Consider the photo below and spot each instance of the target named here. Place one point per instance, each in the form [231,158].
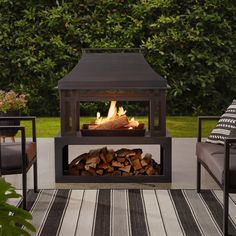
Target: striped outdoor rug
[129,212]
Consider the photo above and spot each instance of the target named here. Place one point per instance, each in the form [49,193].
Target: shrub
[12,101]
[190,43]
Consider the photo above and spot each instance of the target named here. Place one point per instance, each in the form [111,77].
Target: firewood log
[137,156]
[127,174]
[93,165]
[137,164]
[116,173]
[144,162]
[91,170]
[85,173]
[92,160]
[120,159]
[73,171]
[148,157]
[117,164]
[106,174]
[126,163]
[78,159]
[124,152]
[103,165]
[125,168]
[142,171]
[138,151]
[109,156]
[91,126]
[150,170]
[116,123]
[94,152]
[110,169]
[80,166]
[103,153]
[99,172]
[128,159]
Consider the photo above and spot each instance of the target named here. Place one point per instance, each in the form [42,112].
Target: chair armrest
[21,118]
[23,141]
[200,120]
[228,142]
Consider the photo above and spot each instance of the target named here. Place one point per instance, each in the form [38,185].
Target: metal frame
[226,187]
[61,158]
[151,89]
[71,135]
[25,166]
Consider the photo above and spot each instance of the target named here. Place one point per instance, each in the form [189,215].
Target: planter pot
[9,133]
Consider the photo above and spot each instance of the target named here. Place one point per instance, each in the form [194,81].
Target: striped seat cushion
[226,126]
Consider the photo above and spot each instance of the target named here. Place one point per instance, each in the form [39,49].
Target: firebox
[112,75]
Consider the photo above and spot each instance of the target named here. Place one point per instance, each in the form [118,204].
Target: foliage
[11,216]
[191,43]
[12,101]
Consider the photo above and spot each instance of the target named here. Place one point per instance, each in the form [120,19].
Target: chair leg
[225,211]
[198,176]
[35,177]
[24,184]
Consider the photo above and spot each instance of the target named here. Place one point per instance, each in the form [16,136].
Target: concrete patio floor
[183,168]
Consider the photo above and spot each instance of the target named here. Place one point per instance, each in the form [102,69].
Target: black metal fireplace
[112,76]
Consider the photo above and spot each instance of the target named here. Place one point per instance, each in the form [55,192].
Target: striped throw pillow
[226,126]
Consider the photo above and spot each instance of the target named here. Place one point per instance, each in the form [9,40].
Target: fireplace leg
[65,158]
[165,159]
[161,158]
[61,160]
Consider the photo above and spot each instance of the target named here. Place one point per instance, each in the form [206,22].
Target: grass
[178,126]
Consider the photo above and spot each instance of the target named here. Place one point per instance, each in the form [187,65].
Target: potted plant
[11,103]
[12,217]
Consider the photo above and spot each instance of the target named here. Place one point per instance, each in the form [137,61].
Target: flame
[113,114]
[99,119]
[112,110]
[121,111]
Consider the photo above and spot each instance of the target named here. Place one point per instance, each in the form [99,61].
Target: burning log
[123,162]
[114,120]
[115,123]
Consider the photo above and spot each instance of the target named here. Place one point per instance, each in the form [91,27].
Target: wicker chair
[220,162]
[19,157]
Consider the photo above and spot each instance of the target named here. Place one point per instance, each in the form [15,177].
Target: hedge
[190,43]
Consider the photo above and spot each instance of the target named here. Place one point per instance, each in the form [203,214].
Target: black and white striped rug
[129,212]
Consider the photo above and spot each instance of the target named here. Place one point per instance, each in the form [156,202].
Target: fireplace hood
[98,71]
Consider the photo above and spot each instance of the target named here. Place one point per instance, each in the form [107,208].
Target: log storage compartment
[113,75]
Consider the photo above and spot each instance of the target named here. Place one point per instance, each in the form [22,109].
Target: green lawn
[178,126]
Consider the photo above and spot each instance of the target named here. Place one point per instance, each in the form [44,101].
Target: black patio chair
[18,157]
[220,162]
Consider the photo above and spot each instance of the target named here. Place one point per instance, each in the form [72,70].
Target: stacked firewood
[123,162]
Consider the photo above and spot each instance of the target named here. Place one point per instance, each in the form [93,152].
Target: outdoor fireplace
[112,76]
